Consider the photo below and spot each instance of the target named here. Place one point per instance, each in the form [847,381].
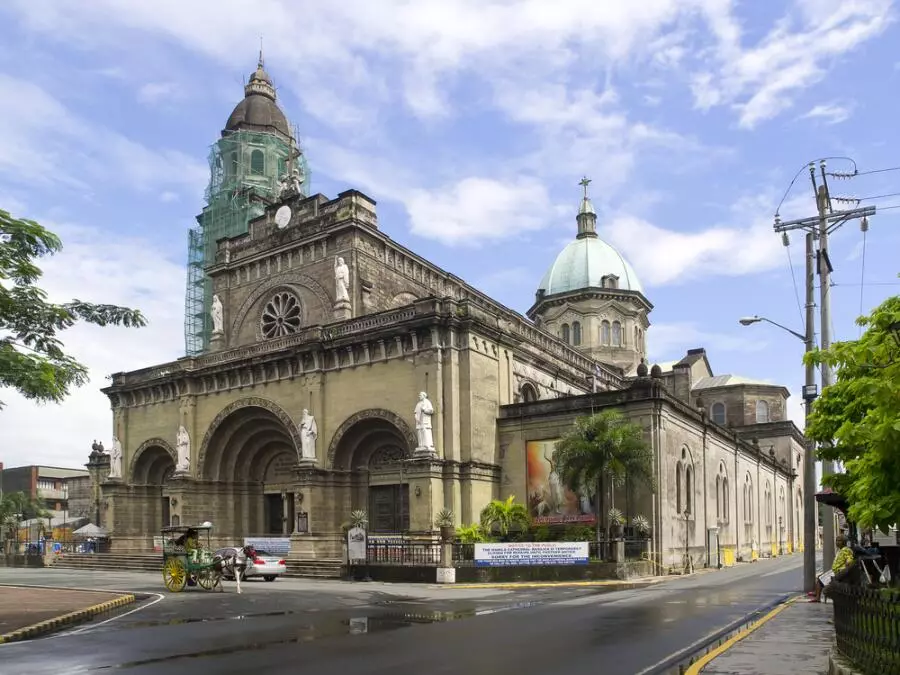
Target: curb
[58,622]
[697,667]
[838,664]
[513,585]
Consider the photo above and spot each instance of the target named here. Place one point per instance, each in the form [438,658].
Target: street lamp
[810,392]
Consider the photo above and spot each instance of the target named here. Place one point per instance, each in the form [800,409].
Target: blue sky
[471,123]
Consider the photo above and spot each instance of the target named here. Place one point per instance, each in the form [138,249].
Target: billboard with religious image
[549,501]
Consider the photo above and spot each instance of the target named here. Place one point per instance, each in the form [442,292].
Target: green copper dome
[584,263]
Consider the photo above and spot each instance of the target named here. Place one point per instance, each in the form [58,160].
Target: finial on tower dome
[262,61]
[584,182]
[587,217]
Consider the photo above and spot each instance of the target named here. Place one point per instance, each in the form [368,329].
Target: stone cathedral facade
[344,371]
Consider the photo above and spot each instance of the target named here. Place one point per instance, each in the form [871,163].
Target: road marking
[698,665]
[159,597]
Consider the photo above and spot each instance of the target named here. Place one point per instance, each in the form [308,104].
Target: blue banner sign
[532,553]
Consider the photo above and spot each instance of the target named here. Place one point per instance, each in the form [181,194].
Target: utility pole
[810,527]
[823,205]
[818,226]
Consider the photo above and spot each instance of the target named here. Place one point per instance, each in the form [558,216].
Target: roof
[729,380]
[583,263]
[259,110]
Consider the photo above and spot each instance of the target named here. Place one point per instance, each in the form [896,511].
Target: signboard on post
[532,553]
[356,544]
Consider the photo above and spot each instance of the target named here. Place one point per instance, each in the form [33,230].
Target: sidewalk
[795,641]
[28,612]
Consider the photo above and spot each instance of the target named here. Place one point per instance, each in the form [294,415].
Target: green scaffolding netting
[245,169]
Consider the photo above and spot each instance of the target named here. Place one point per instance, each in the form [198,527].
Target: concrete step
[151,562]
[320,569]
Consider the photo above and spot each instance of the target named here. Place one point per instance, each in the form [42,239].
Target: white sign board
[532,553]
[356,544]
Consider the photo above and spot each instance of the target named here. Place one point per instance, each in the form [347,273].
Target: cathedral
[331,369]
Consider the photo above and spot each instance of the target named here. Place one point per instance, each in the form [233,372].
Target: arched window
[726,500]
[529,394]
[718,413]
[768,498]
[576,333]
[762,412]
[604,333]
[678,472]
[257,162]
[688,489]
[616,334]
[722,495]
[564,333]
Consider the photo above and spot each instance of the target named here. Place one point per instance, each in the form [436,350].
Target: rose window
[281,316]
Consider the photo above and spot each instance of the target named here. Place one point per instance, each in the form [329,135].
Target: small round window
[281,316]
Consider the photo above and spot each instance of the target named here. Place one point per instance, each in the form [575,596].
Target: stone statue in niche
[183,448]
[309,432]
[423,412]
[341,281]
[115,459]
[217,314]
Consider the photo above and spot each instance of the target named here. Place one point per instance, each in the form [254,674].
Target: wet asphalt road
[355,629]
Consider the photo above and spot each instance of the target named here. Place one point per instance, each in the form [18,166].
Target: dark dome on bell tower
[259,110]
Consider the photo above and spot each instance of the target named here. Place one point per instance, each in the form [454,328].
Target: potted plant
[359,518]
[641,526]
[444,521]
[616,520]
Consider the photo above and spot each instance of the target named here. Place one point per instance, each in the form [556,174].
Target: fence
[867,627]
[414,553]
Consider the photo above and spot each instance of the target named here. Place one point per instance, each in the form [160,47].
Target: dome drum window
[281,316]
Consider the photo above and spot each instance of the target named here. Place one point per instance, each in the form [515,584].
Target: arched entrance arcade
[246,464]
[152,467]
[375,447]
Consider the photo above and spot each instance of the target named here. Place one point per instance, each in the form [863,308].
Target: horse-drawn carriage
[186,561]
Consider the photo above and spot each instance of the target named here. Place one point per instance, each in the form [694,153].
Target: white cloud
[478,209]
[796,410]
[42,142]
[830,113]
[94,268]
[760,81]
[154,92]
[668,341]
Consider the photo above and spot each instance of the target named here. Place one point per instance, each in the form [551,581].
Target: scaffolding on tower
[245,168]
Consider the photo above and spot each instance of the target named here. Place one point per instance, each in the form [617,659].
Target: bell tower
[251,165]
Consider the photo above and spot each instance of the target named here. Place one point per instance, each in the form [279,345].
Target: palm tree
[603,450]
[504,515]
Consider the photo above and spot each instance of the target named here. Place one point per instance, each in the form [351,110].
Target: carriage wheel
[174,575]
[209,578]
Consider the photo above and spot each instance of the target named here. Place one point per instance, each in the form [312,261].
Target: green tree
[32,359]
[857,419]
[602,451]
[503,516]
[14,508]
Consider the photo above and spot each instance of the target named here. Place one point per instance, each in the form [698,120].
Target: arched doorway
[152,467]
[374,446]
[248,458]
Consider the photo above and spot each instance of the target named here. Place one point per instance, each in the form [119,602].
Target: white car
[264,564]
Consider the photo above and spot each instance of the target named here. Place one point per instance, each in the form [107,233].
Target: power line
[794,280]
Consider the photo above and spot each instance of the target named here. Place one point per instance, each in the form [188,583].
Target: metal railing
[411,553]
[867,627]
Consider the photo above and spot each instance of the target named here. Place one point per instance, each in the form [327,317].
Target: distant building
[57,488]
